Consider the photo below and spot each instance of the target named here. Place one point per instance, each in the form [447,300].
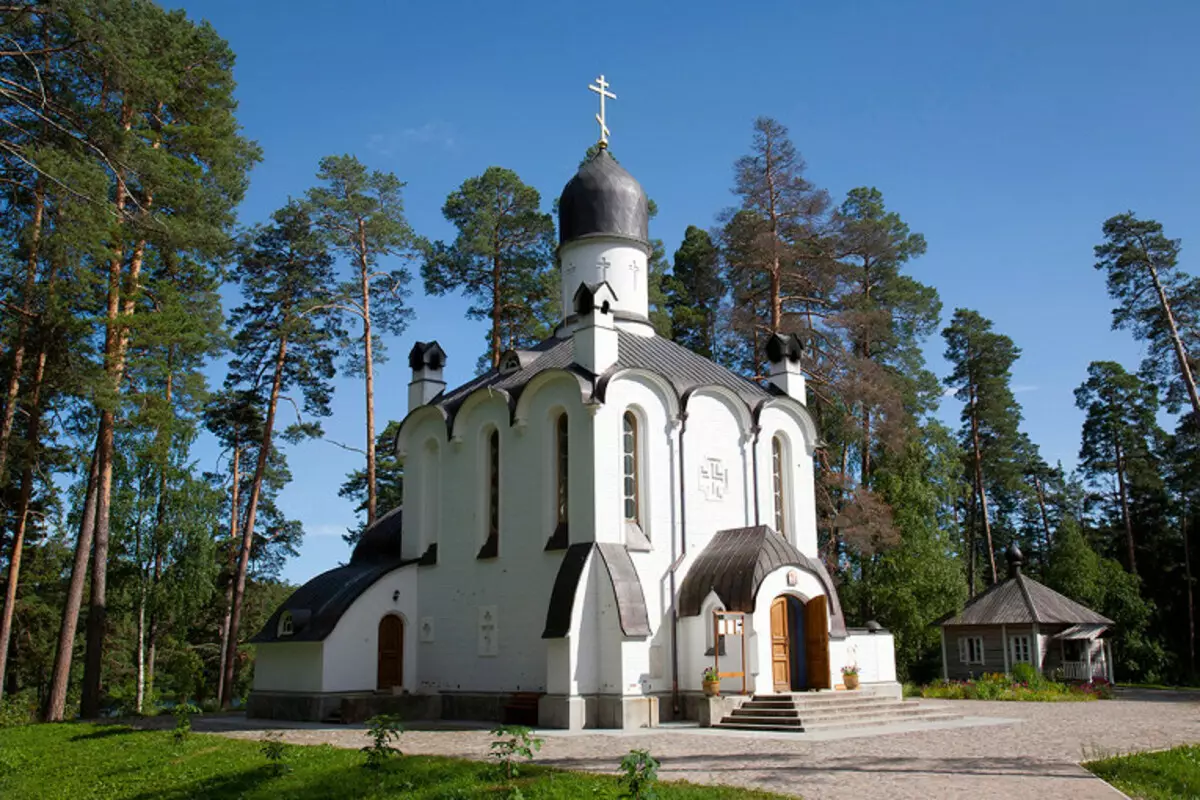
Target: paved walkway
[1002,750]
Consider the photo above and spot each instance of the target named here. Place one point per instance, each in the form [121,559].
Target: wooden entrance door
[816,642]
[780,650]
[391,652]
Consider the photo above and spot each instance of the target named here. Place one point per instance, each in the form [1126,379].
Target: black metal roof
[603,198]
[631,601]
[682,368]
[735,563]
[317,606]
[1020,600]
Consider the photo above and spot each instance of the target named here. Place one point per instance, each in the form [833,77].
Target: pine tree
[362,216]
[693,292]
[1141,266]
[390,478]
[981,375]
[285,340]
[501,257]
[1119,430]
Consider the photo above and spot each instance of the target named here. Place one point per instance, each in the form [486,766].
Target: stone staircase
[820,711]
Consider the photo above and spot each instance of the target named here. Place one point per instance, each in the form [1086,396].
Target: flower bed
[998,686]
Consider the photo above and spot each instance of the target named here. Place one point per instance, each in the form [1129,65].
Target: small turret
[427,360]
[596,347]
[783,354]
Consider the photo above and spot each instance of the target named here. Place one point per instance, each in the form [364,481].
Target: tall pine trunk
[1187,574]
[1041,496]
[115,344]
[239,582]
[979,487]
[32,434]
[60,677]
[1181,356]
[1123,495]
[18,356]
[369,368]
[163,446]
[234,510]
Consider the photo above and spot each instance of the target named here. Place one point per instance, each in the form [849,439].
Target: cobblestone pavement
[1036,753]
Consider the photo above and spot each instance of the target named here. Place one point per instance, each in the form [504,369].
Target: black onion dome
[603,198]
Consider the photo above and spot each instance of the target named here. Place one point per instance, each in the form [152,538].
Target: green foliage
[639,775]
[183,713]
[998,686]
[122,763]
[389,478]
[383,730]
[1141,268]
[1161,775]
[501,259]
[693,292]
[18,709]
[513,742]
[275,750]
[1026,674]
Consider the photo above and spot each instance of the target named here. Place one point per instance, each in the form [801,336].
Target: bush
[1026,674]
[513,742]
[997,686]
[183,719]
[384,729]
[639,774]
[18,709]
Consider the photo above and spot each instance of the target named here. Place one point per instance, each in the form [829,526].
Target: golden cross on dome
[600,87]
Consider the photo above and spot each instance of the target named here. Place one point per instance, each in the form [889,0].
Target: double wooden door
[816,644]
[391,653]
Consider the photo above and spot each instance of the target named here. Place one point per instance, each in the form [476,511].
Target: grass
[1164,775]
[115,762]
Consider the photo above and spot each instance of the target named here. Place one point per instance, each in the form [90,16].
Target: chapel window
[778,484]
[491,547]
[494,484]
[561,461]
[630,467]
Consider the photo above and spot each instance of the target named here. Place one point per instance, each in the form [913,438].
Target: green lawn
[1165,775]
[116,762]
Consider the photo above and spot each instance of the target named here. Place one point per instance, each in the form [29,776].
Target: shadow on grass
[236,784]
[107,733]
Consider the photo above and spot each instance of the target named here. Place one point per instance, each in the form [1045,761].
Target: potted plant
[850,676]
[712,683]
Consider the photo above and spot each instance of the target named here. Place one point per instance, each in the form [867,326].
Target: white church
[585,529]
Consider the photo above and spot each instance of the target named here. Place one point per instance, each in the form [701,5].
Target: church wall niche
[776,420]
[717,473]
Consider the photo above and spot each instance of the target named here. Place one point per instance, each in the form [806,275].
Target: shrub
[640,773]
[513,742]
[183,719]
[1026,674]
[384,729]
[18,709]
[274,749]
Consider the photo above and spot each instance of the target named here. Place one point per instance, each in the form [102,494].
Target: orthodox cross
[634,268]
[600,87]
[604,264]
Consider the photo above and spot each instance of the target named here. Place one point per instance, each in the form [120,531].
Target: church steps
[799,713]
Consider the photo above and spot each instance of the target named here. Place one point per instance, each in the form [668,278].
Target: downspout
[675,707]
[756,430]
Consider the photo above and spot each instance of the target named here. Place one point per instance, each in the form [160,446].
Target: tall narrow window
[630,467]
[494,484]
[777,464]
[491,547]
[561,463]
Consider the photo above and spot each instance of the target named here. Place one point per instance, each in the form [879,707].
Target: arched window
[631,468]
[561,463]
[491,547]
[286,624]
[779,484]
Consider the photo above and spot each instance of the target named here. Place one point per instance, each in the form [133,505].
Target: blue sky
[1004,132]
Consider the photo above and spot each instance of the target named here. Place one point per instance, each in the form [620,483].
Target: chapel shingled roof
[734,564]
[682,368]
[1020,600]
[317,606]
